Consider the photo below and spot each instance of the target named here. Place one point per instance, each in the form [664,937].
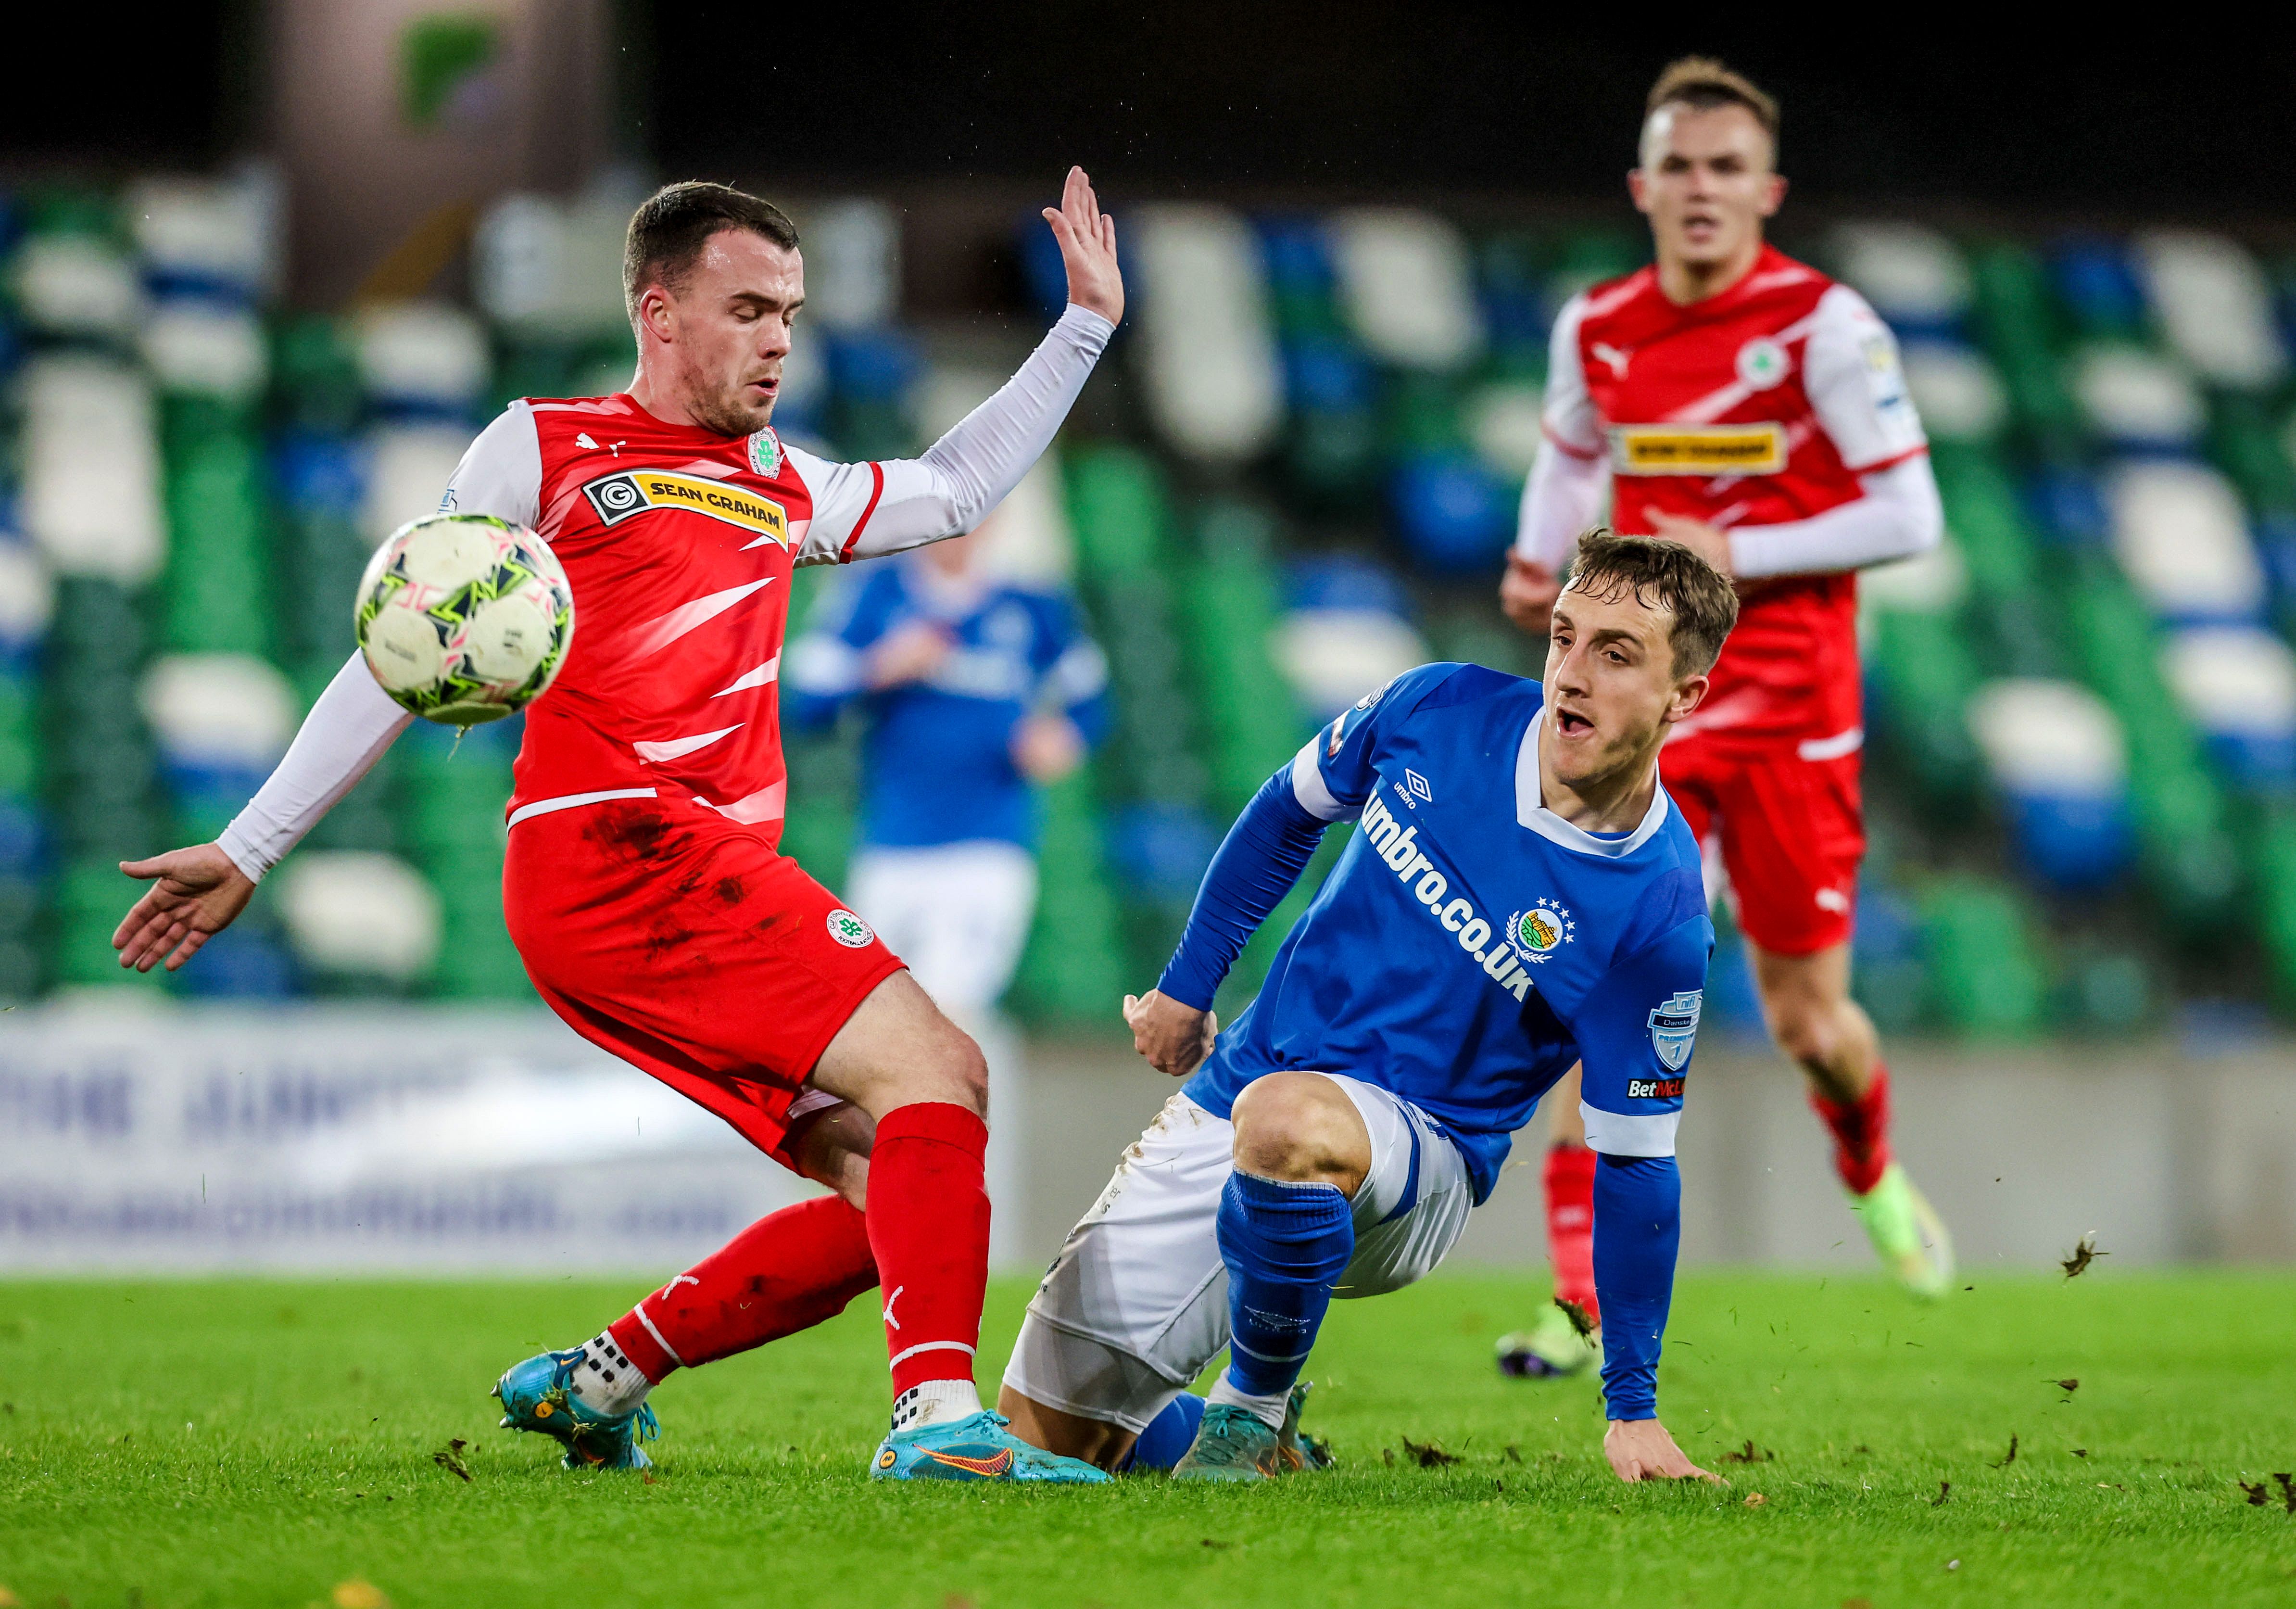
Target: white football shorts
[956,914]
[1135,1305]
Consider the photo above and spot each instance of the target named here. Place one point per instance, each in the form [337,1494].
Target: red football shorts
[1791,831]
[687,945]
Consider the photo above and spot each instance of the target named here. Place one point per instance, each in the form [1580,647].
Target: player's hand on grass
[1526,593]
[1709,542]
[1640,1449]
[194,896]
[1047,747]
[1175,1039]
[1088,239]
[907,653]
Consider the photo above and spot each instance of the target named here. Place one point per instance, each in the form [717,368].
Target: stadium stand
[1295,478]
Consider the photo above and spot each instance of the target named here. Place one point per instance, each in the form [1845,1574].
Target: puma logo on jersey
[1612,354]
[583,440]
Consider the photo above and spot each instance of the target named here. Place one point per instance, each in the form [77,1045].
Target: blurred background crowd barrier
[1294,476]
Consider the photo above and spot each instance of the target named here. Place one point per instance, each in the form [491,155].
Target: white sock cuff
[607,1380]
[1268,1410]
[934,1401]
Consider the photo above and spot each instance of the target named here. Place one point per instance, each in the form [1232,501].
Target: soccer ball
[464,617]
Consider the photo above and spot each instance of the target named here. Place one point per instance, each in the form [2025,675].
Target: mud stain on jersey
[730,890]
[640,834]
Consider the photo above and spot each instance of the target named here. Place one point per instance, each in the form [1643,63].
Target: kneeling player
[1521,894]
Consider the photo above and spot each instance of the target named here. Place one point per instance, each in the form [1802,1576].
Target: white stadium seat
[359,913]
[1408,287]
[2050,737]
[92,469]
[199,348]
[852,263]
[27,593]
[2181,534]
[1505,421]
[1956,391]
[1912,276]
[549,267]
[2216,306]
[223,233]
[1933,581]
[1333,657]
[1207,347]
[2137,398]
[221,709]
[1027,540]
[424,355]
[408,467]
[68,284]
[2238,683]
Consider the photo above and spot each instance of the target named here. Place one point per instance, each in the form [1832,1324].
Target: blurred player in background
[1741,402]
[974,687]
[644,884]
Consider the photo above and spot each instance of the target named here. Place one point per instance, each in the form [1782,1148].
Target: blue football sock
[1168,1436]
[1285,1245]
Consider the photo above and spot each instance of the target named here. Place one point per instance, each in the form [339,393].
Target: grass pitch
[265,1442]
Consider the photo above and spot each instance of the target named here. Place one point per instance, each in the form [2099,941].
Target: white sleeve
[1857,387]
[1564,493]
[864,511]
[1898,515]
[347,731]
[501,474]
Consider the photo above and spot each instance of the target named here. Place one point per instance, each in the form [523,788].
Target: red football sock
[1861,1132]
[1570,1225]
[785,1273]
[929,1225]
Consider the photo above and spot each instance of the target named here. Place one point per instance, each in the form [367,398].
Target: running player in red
[1743,404]
[644,886]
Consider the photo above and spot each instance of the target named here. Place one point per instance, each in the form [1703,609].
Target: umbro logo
[1418,785]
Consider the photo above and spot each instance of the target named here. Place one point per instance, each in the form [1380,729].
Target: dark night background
[1336,97]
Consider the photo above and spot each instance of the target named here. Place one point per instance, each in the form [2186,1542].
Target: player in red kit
[1743,404]
[644,884]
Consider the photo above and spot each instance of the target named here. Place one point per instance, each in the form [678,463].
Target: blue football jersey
[1471,944]
[936,755]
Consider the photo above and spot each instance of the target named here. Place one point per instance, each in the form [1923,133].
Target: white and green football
[464,617]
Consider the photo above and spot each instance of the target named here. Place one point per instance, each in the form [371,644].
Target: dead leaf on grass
[449,1459]
[2068,1386]
[1514,1452]
[1945,1490]
[2258,1496]
[2287,1492]
[1428,1455]
[1750,1454]
[1756,1500]
[2080,1452]
[2083,1254]
[2011,1456]
[1580,1319]
[360,1594]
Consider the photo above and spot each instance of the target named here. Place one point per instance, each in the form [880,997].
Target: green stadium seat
[1985,979]
[1073,969]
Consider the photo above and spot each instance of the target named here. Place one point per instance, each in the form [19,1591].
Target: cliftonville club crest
[1541,930]
[765,453]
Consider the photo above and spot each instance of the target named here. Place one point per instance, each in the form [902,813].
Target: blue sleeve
[1258,861]
[821,669]
[1072,672]
[1338,770]
[1635,1032]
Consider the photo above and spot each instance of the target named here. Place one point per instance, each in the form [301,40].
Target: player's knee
[1805,1029]
[962,1072]
[1298,1126]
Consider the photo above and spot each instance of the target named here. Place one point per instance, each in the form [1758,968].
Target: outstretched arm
[865,511]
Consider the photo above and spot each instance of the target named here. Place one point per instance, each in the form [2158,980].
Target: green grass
[246,1442]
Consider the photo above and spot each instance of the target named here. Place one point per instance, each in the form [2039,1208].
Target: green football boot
[1552,1348]
[1233,1444]
[1301,1450]
[1906,1233]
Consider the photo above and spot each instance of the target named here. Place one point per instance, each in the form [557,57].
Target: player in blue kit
[1519,894]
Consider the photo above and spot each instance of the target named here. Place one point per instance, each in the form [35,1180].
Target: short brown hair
[1661,574]
[669,230]
[1702,83]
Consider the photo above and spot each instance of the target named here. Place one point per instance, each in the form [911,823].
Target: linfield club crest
[1674,1026]
[1541,930]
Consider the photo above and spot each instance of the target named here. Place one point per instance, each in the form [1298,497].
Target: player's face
[1611,685]
[728,330]
[1706,183]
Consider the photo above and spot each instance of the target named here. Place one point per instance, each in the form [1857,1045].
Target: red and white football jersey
[1761,406]
[678,543]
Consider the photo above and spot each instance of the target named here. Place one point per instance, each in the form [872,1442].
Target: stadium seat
[2238,685]
[2096,284]
[1914,277]
[1455,513]
[221,721]
[2136,400]
[1985,979]
[541,266]
[1959,395]
[2023,330]
[91,489]
[2182,535]
[217,240]
[28,602]
[422,360]
[853,263]
[77,286]
[359,915]
[198,348]
[1251,721]
[1206,347]
[407,468]
[1074,965]
[2215,307]
[1504,422]
[2056,756]
[1407,286]
[1334,656]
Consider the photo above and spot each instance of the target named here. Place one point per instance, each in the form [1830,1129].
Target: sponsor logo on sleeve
[621,497]
[1654,1089]
[1674,1030]
[1699,449]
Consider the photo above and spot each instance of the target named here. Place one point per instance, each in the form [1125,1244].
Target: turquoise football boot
[975,1448]
[1235,1444]
[537,1395]
[1301,1450]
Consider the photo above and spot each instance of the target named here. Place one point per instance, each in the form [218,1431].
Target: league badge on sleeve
[1674,1028]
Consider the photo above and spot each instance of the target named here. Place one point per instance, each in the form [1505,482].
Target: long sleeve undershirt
[1637,1232]
[1258,861]
[945,493]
